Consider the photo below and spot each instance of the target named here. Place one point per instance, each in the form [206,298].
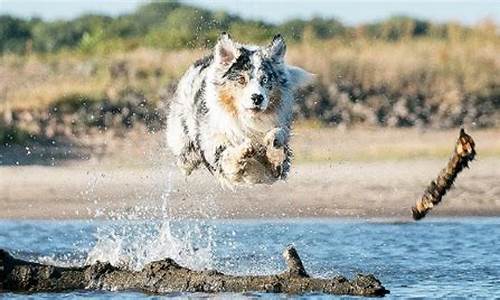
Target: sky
[275,11]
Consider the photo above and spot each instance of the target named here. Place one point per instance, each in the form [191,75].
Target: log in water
[166,276]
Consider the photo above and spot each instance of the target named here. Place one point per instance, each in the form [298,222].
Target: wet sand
[376,189]
[349,186]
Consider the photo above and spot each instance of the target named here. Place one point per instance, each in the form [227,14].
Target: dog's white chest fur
[232,113]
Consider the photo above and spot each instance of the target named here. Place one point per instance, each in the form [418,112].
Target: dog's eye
[242,80]
[264,80]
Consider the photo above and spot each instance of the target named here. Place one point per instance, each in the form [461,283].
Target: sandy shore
[350,186]
[379,189]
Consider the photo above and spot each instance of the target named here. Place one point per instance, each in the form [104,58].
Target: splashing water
[414,260]
[135,244]
[131,241]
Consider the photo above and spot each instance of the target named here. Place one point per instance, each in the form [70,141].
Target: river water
[434,258]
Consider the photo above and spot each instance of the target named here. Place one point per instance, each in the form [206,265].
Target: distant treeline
[172,25]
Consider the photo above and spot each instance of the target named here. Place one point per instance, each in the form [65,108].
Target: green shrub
[14,34]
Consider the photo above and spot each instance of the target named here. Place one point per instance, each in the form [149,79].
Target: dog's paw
[275,138]
[235,161]
[187,162]
[256,172]
[246,150]
[275,142]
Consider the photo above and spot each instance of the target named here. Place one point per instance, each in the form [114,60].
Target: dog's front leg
[278,152]
[276,138]
[232,161]
[242,164]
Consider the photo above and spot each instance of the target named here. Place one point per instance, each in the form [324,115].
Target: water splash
[132,239]
[134,244]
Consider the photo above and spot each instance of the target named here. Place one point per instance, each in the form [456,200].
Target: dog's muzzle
[257,100]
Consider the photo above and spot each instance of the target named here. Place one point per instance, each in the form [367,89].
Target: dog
[232,113]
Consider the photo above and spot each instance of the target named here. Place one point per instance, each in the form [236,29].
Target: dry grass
[370,81]
[442,83]
[447,66]
[37,81]
[370,144]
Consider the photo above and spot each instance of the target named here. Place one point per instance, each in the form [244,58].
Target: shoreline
[337,173]
[436,218]
[341,190]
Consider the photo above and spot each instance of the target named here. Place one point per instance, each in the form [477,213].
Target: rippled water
[435,258]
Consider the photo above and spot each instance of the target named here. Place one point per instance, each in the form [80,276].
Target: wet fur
[214,120]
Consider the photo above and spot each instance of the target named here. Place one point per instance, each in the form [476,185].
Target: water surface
[435,258]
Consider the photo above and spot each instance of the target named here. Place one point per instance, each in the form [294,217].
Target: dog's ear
[276,50]
[225,50]
[300,78]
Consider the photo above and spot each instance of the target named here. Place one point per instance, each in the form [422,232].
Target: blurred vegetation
[64,77]
[172,25]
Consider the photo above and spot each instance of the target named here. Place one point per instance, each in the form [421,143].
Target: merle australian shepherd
[232,113]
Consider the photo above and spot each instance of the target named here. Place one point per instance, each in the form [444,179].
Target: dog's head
[250,79]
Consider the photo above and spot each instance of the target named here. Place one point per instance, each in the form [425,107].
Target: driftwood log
[463,153]
[166,276]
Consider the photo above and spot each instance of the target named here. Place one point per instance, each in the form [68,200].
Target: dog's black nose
[257,99]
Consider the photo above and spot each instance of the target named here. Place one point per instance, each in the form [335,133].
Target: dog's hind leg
[181,145]
[188,160]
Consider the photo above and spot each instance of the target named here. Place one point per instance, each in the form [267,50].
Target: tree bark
[166,276]
[463,153]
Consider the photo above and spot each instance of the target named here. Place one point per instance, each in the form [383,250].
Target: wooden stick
[167,276]
[463,153]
